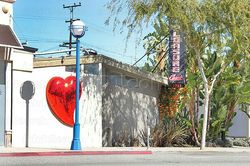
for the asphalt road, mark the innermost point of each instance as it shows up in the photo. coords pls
(156, 159)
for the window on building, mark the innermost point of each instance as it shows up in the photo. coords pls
(130, 82)
(114, 79)
(91, 69)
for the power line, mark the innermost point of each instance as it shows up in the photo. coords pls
(106, 50)
(90, 24)
(16, 25)
(160, 61)
(147, 53)
(48, 40)
(40, 40)
(53, 40)
(49, 49)
(39, 17)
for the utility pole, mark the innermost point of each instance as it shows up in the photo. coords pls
(70, 21)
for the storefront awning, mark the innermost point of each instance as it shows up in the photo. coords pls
(8, 38)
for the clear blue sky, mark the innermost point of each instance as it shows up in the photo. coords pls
(42, 24)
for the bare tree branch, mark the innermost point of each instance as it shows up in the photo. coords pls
(245, 111)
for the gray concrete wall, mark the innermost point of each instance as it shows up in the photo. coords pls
(240, 127)
(127, 103)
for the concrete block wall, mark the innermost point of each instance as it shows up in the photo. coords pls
(129, 107)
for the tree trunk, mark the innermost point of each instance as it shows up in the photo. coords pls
(197, 113)
(206, 88)
(209, 114)
(205, 115)
(208, 91)
(192, 117)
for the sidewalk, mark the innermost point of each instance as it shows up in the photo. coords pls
(21, 152)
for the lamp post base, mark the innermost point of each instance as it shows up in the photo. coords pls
(76, 143)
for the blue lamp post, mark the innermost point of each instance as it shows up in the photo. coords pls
(78, 30)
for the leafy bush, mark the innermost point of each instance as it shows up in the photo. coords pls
(170, 132)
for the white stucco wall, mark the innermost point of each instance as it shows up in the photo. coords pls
(19, 109)
(2, 102)
(45, 130)
(8, 97)
(22, 60)
(91, 112)
(22, 71)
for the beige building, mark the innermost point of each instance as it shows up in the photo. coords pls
(15, 61)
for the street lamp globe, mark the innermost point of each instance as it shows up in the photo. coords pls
(78, 28)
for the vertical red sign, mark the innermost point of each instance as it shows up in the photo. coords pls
(177, 59)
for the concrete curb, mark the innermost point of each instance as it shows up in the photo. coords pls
(207, 149)
(22, 152)
(70, 153)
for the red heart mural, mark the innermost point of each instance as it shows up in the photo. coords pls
(61, 96)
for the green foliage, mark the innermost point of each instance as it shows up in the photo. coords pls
(212, 64)
(235, 82)
(232, 89)
(244, 88)
(217, 32)
(217, 123)
(209, 26)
